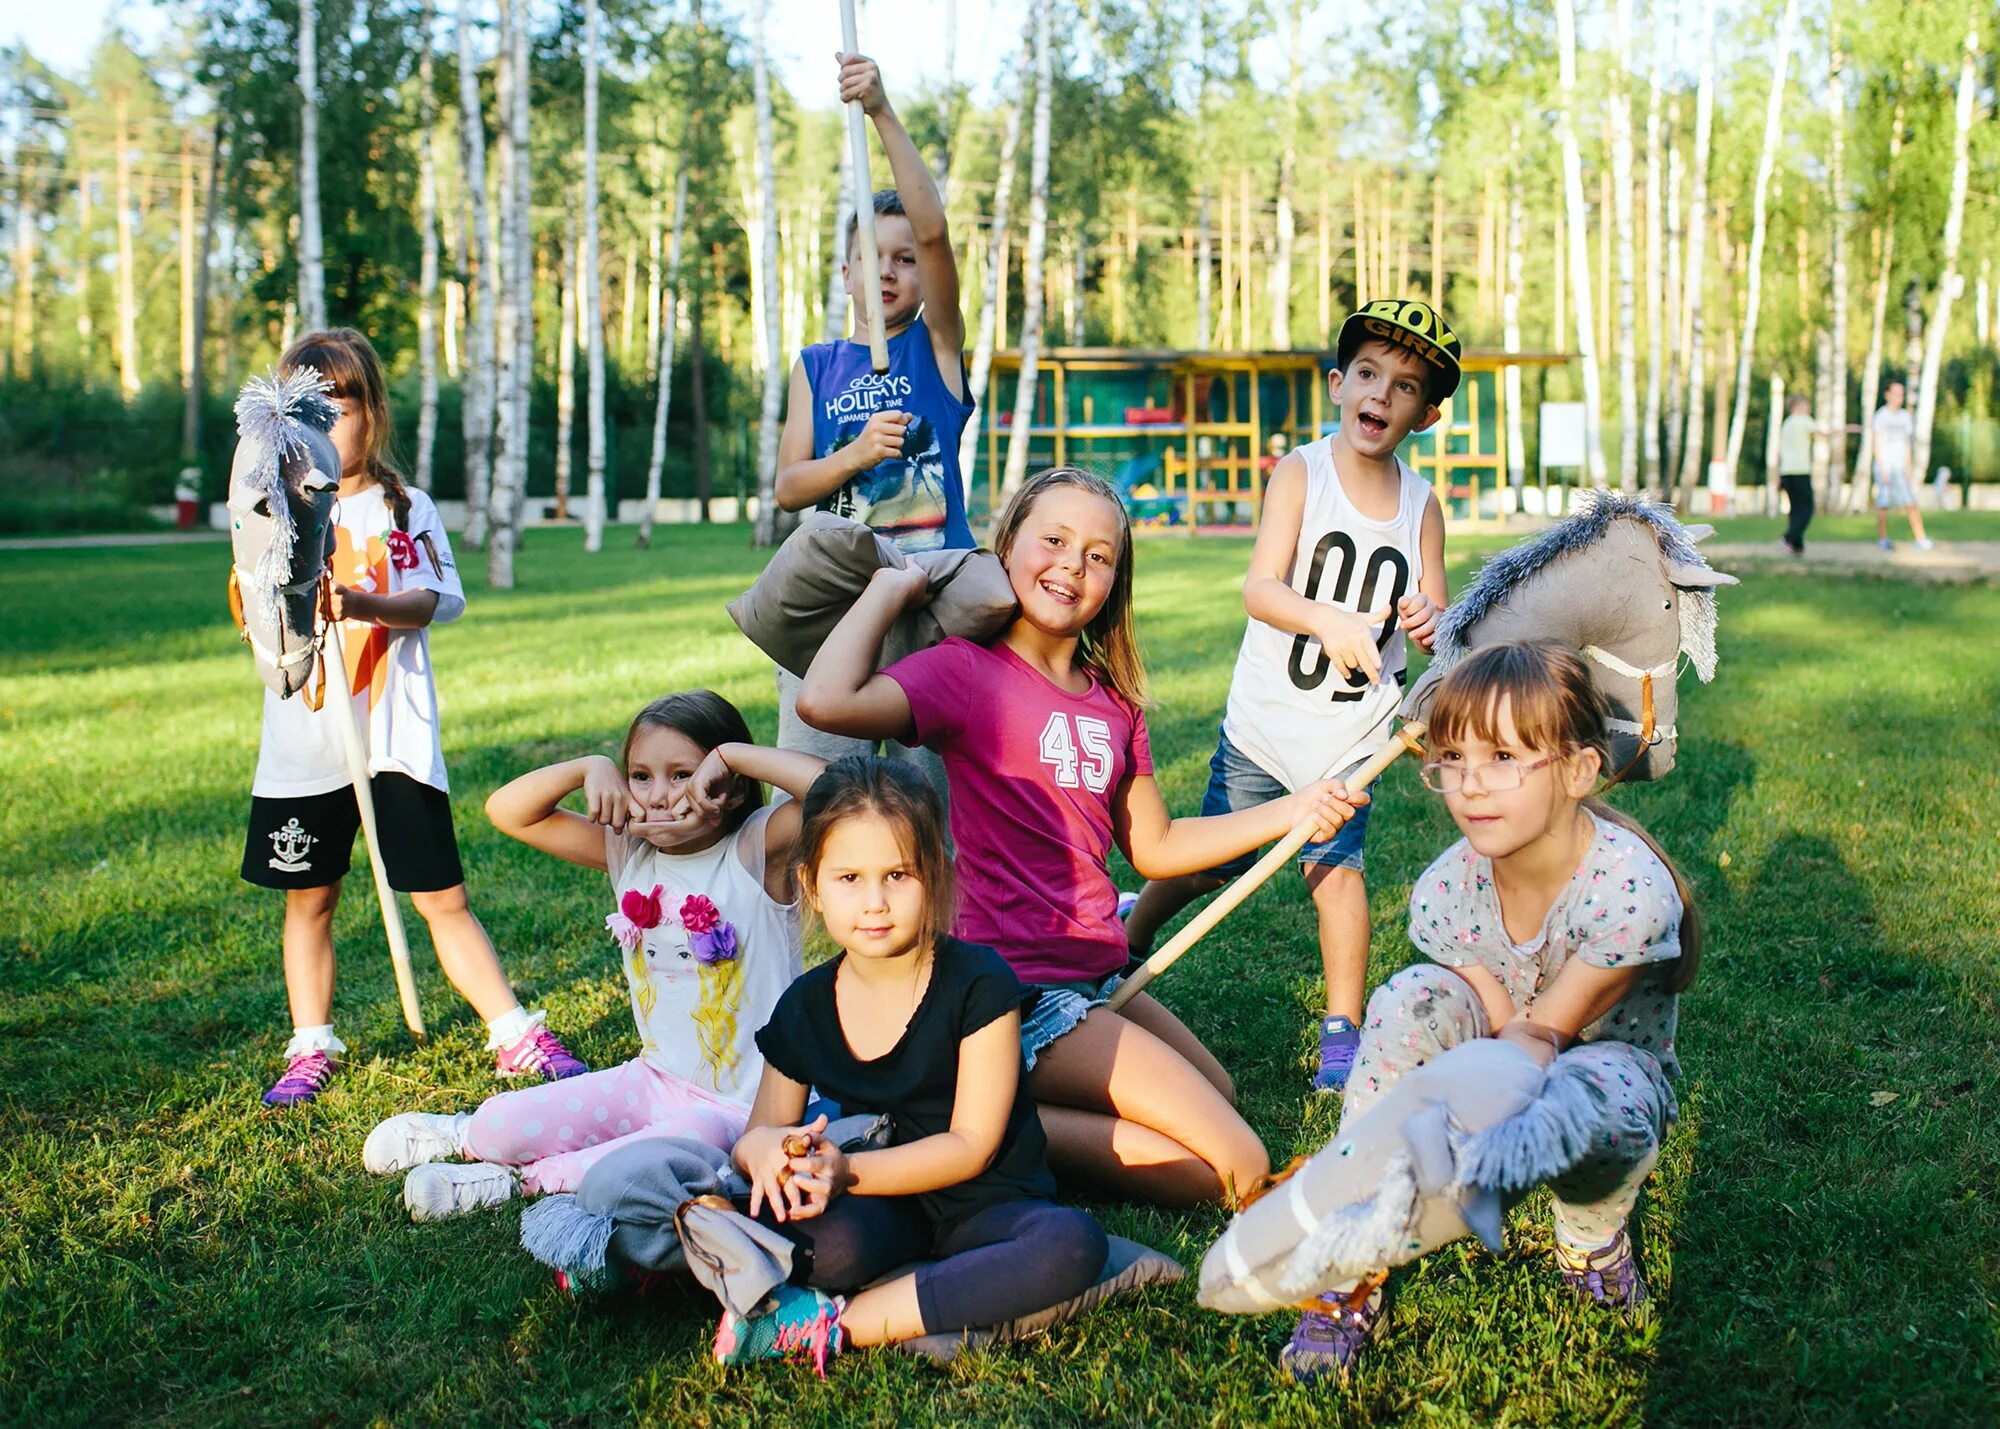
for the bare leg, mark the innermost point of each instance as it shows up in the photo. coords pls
(1117, 1069)
(1881, 523)
(1341, 900)
(1916, 523)
(465, 952)
(1158, 902)
(1156, 1019)
(884, 1314)
(309, 953)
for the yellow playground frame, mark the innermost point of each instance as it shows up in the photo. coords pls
(1189, 436)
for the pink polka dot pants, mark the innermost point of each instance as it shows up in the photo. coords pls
(557, 1131)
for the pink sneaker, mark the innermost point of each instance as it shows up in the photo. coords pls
(305, 1078)
(540, 1055)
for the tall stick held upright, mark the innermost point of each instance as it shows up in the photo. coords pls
(870, 279)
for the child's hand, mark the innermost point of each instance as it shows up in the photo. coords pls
(1328, 803)
(861, 80)
(1417, 615)
(881, 440)
(606, 799)
(767, 1156)
(712, 790)
(822, 1174)
(349, 604)
(1349, 641)
(907, 584)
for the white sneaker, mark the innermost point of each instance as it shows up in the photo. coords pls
(412, 1139)
(441, 1189)
(1925, 544)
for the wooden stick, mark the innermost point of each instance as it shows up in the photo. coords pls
(1405, 740)
(357, 770)
(870, 277)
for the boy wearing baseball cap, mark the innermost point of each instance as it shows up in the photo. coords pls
(1349, 560)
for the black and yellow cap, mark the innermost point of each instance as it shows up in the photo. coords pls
(1412, 325)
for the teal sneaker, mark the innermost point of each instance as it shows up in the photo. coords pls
(800, 1321)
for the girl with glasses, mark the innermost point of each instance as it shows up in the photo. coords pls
(1553, 923)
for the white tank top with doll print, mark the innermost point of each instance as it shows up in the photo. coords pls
(705, 978)
(1290, 711)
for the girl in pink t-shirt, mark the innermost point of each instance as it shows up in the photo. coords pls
(1043, 737)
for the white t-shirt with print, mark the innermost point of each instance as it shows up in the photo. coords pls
(696, 1021)
(1893, 433)
(1619, 909)
(395, 698)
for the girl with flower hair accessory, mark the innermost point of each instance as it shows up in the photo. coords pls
(705, 918)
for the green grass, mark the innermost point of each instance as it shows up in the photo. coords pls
(171, 1253)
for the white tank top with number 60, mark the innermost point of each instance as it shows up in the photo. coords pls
(1289, 709)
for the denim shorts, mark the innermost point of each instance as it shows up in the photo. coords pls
(1236, 782)
(1058, 1008)
(1892, 490)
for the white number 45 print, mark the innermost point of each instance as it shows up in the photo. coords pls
(1079, 758)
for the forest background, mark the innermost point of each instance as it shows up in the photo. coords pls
(591, 285)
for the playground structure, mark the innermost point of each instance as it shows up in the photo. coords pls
(1189, 437)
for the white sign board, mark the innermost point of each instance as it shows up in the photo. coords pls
(1562, 435)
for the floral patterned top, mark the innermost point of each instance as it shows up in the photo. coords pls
(1620, 908)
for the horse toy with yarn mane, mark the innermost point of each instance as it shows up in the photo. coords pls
(1620, 582)
(282, 486)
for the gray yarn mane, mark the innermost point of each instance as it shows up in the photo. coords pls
(1502, 576)
(276, 412)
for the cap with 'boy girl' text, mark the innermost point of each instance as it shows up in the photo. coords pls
(1417, 328)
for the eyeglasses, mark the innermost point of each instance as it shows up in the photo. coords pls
(1496, 776)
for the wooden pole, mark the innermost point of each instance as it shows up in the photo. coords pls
(1406, 740)
(864, 208)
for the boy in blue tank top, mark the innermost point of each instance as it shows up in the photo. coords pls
(1349, 562)
(882, 448)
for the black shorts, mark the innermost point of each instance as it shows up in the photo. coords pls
(307, 841)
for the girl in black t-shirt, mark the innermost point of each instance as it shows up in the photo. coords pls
(910, 1023)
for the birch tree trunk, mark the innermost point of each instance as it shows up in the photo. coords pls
(566, 340)
(1753, 278)
(834, 327)
(775, 365)
(312, 263)
(1697, 232)
(1656, 314)
(1621, 201)
(516, 283)
(1949, 280)
(1835, 418)
(186, 256)
(1676, 306)
(1038, 236)
(1871, 364)
(1281, 266)
(21, 357)
(427, 281)
(196, 379)
(628, 290)
(590, 292)
(476, 391)
(1510, 314)
(993, 292)
(1579, 245)
(1204, 277)
(521, 274)
(128, 329)
(662, 360)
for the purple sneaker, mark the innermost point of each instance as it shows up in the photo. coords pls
(305, 1077)
(1328, 1341)
(1339, 1041)
(1608, 1276)
(539, 1054)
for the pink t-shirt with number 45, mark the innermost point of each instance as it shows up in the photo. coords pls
(1033, 771)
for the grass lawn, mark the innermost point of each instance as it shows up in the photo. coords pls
(1823, 1237)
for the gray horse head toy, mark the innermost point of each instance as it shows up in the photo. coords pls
(281, 495)
(1621, 583)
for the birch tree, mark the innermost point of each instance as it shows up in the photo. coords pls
(312, 264)
(590, 291)
(662, 360)
(477, 389)
(996, 270)
(1949, 279)
(427, 224)
(516, 312)
(566, 375)
(1753, 281)
(769, 410)
(1697, 232)
(1579, 244)
(1621, 199)
(128, 332)
(1656, 313)
(1510, 314)
(196, 381)
(1885, 260)
(521, 270)
(1840, 202)
(1037, 250)
(1281, 265)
